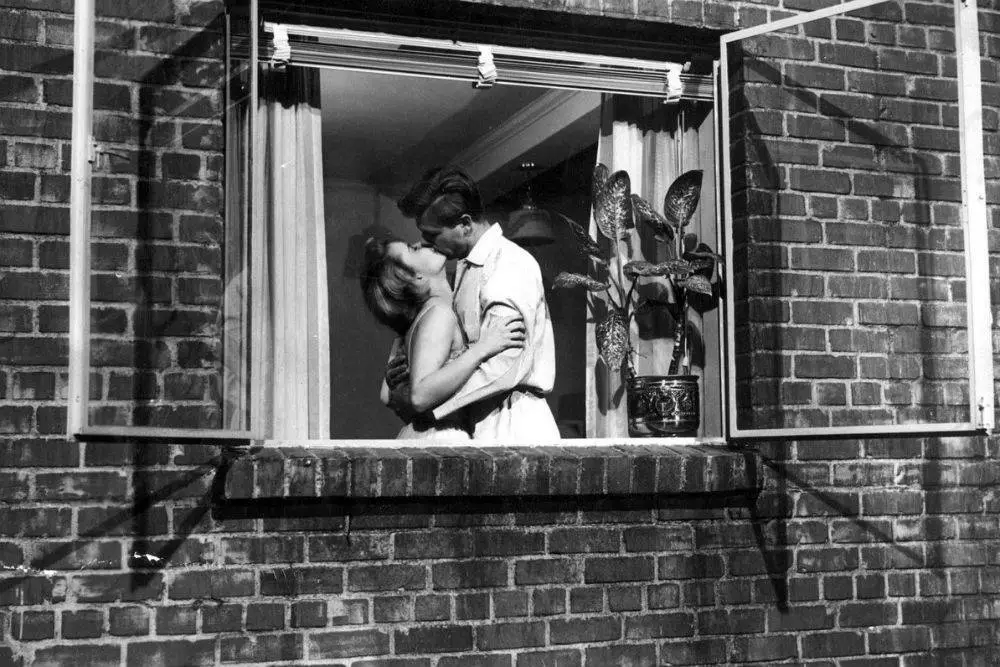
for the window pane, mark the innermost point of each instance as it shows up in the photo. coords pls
(163, 294)
(851, 291)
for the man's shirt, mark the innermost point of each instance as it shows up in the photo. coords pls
(499, 279)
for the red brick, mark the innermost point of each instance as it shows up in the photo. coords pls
(386, 577)
(92, 655)
(222, 583)
(302, 580)
(565, 658)
(503, 636)
(33, 625)
(694, 652)
(126, 621)
(176, 620)
(578, 631)
(262, 647)
(439, 639)
(172, 653)
(470, 574)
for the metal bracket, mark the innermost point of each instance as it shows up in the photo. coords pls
(487, 69)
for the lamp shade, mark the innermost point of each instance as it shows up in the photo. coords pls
(530, 226)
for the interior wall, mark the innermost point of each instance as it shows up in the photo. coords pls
(359, 345)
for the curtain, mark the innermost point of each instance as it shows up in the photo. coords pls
(290, 353)
(654, 142)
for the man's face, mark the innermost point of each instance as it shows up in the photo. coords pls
(452, 242)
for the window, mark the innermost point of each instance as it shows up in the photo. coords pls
(251, 324)
(858, 272)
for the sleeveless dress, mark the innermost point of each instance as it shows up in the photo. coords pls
(455, 426)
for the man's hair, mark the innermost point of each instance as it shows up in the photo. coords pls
(389, 288)
(449, 190)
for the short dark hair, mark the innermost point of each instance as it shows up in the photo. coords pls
(449, 190)
(388, 287)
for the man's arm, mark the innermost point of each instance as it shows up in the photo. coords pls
(513, 290)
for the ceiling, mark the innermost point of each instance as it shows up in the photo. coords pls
(387, 129)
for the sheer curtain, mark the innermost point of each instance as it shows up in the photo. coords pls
(290, 353)
(654, 142)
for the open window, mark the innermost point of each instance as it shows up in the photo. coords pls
(841, 149)
(856, 234)
(531, 140)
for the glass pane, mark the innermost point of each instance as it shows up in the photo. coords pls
(163, 298)
(371, 158)
(851, 291)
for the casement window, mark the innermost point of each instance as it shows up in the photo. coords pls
(843, 183)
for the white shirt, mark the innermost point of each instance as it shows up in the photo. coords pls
(499, 279)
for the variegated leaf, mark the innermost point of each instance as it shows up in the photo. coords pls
(638, 268)
(566, 279)
(611, 335)
(671, 267)
(599, 182)
(584, 242)
(612, 203)
(619, 201)
(643, 212)
(697, 283)
(682, 198)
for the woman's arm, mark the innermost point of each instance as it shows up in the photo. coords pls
(433, 379)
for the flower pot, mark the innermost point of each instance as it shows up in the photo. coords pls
(663, 405)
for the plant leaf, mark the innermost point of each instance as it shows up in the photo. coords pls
(682, 198)
(612, 203)
(566, 279)
(697, 283)
(584, 243)
(645, 213)
(672, 267)
(598, 184)
(611, 335)
(638, 268)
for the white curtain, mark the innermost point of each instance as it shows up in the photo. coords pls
(654, 142)
(290, 353)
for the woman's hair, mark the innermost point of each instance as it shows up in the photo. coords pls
(389, 287)
(448, 190)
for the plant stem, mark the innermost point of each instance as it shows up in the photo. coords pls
(680, 335)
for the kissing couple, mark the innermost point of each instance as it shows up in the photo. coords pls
(470, 362)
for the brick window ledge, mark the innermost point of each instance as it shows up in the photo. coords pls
(289, 471)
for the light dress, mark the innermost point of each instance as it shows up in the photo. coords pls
(455, 426)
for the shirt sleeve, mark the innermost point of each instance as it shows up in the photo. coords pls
(512, 289)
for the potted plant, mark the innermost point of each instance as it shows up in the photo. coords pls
(683, 280)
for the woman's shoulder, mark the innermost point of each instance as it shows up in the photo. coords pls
(433, 318)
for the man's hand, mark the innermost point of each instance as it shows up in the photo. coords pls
(397, 371)
(397, 376)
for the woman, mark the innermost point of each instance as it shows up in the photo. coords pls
(406, 288)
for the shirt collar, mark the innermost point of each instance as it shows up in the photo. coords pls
(485, 246)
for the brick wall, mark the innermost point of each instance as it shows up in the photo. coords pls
(875, 551)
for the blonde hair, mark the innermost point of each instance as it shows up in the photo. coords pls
(390, 289)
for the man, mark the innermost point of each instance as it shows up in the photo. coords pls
(495, 279)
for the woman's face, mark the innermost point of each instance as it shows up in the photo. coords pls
(418, 258)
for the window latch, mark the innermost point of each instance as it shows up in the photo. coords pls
(97, 149)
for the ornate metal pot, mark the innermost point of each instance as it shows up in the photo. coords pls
(663, 405)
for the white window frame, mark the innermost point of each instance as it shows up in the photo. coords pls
(974, 219)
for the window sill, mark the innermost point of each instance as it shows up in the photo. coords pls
(407, 471)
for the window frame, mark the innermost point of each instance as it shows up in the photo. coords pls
(975, 223)
(973, 206)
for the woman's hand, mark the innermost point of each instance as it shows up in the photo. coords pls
(501, 335)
